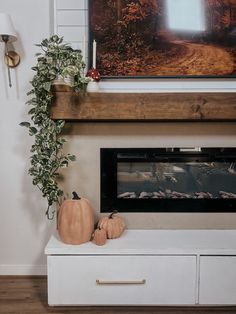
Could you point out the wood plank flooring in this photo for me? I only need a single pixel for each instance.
(28, 295)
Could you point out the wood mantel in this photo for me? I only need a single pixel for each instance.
(139, 107)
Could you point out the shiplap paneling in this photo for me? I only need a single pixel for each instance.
(71, 18)
(72, 34)
(71, 22)
(78, 45)
(71, 4)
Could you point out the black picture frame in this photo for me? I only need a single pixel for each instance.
(138, 39)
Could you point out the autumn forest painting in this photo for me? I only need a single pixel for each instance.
(164, 38)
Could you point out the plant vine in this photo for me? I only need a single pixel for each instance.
(47, 157)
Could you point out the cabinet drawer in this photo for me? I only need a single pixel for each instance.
(217, 280)
(124, 280)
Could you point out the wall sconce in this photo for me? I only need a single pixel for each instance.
(8, 35)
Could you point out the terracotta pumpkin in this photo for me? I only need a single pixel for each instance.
(100, 236)
(75, 220)
(113, 224)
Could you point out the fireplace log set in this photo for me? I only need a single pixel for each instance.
(175, 194)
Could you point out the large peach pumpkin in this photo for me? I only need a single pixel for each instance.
(75, 220)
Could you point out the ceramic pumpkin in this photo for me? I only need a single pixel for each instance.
(75, 220)
(99, 236)
(113, 224)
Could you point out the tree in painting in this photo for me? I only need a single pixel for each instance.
(164, 37)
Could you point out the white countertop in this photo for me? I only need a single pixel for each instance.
(153, 242)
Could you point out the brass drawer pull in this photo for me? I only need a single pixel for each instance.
(121, 282)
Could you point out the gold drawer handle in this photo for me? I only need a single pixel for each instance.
(121, 282)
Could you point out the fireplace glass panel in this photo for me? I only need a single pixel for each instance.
(168, 180)
(176, 180)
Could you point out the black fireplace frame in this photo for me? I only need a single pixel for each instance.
(108, 166)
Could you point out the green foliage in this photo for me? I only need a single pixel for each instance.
(47, 157)
(59, 59)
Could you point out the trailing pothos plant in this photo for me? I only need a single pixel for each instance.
(47, 157)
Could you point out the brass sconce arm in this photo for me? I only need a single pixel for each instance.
(7, 35)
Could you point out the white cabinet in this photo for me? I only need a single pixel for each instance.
(129, 280)
(145, 267)
(217, 280)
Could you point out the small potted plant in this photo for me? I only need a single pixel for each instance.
(66, 64)
(55, 60)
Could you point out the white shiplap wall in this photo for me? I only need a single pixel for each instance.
(71, 22)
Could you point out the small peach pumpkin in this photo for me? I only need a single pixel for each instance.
(75, 220)
(99, 236)
(113, 224)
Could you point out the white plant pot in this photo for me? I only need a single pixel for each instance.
(60, 80)
(93, 87)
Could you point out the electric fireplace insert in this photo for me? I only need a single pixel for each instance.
(168, 179)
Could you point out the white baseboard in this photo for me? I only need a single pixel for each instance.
(20, 270)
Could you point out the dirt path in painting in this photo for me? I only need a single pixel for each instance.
(197, 59)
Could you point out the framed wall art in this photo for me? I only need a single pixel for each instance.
(163, 38)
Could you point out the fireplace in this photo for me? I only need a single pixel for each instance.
(168, 179)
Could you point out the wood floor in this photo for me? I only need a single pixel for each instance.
(28, 295)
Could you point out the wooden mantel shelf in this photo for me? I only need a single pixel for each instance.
(144, 106)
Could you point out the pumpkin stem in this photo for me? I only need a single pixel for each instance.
(75, 196)
(113, 213)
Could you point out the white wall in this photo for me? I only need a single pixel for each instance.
(24, 229)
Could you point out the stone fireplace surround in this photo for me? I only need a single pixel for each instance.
(86, 139)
